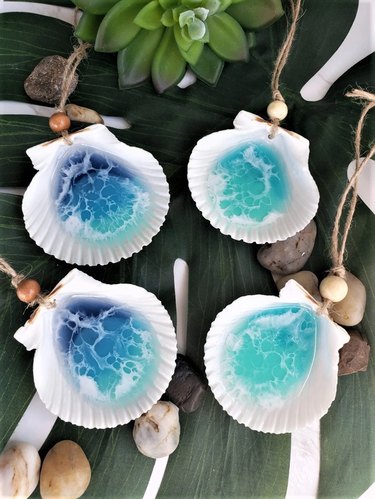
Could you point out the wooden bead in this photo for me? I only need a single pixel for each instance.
(28, 290)
(59, 122)
(277, 110)
(333, 288)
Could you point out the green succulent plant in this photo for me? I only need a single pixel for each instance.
(161, 38)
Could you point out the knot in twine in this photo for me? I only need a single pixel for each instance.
(79, 53)
(16, 279)
(281, 60)
(337, 249)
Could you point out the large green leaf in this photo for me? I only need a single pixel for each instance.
(217, 457)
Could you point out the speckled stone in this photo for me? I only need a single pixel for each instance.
(19, 470)
(44, 82)
(187, 388)
(157, 432)
(350, 310)
(66, 472)
(288, 256)
(354, 355)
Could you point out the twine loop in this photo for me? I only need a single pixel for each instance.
(281, 60)
(80, 52)
(338, 247)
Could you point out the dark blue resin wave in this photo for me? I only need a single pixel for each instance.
(109, 353)
(97, 197)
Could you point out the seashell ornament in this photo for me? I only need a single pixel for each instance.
(272, 363)
(251, 187)
(96, 200)
(104, 353)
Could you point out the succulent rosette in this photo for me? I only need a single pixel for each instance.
(162, 38)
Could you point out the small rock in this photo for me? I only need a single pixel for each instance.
(289, 256)
(66, 472)
(306, 279)
(187, 388)
(19, 470)
(157, 432)
(350, 310)
(82, 114)
(354, 355)
(44, 82)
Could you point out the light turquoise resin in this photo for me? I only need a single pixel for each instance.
(270, 353)
(97, 197)
(248, 184)
(109, 352)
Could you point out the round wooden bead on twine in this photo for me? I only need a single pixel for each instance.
(27, 290)
(338, 251)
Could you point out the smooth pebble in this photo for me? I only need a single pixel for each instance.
(308, 280)
(187, 388)
(82, 114)
(354, 355)
(157, 432)
(66, 472)
(288, 256)
(350, 311)
(19, 470)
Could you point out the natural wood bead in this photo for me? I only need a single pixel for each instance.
(59, 122)
(277, 110)
(333, 288)
(28, 290)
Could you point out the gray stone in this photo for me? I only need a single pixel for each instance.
(354, 355)
(187, 388)
(288, 256)
(44, 82)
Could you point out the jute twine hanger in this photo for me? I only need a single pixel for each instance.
(339, 240)
(277, 110)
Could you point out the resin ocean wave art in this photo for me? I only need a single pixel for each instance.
(105, 200)
(97, 197)
(272, 362)
(104, 353)
(250, 186)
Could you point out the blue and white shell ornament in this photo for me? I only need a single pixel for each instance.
(250, 186)
(94, 199)
(104, 353)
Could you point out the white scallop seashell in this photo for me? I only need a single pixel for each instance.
(104, 353)
(272, 362)
(251, 187)
(95, 201)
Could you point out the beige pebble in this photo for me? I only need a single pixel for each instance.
(305, 278)
(350, 311)
(66, 472)
(19, 471)
(82, 114)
